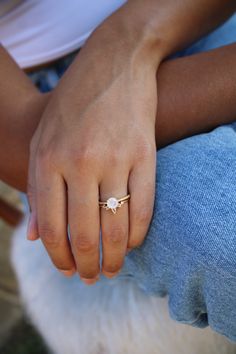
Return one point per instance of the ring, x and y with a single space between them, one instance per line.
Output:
113 203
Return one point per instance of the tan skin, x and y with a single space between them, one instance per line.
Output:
174 119
69 148
208 82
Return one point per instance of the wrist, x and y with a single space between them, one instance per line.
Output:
122 40
162 27
131 37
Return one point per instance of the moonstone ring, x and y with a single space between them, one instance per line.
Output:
113 203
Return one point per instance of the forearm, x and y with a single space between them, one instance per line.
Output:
15 87
15 137
21 106
196 94
170 24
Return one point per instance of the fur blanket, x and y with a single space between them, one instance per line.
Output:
110 317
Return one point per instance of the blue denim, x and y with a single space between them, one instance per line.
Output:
189 252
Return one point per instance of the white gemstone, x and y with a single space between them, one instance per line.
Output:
112 203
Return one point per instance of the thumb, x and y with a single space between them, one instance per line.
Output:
32 230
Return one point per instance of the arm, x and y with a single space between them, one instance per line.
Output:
170 24
180 21
174 23
108 92
196 94
21 106
208 82
106 103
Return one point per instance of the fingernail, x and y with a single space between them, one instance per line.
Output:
109 274
90 281
68 273
31 235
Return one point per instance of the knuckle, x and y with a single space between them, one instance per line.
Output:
50 238
49 153
113 268
135 243
88 273
145 149
85 154
142 215
115 236
44 157
62 265
83 244
115 158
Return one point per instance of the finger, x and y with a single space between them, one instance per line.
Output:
142 190
114 227
84 223
52 218
32 230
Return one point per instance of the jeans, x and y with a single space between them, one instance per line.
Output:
189 252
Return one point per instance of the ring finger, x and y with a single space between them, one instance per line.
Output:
114 226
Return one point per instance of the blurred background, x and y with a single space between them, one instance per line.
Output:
17 336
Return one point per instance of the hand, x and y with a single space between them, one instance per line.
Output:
96 139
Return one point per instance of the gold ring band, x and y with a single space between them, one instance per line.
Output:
113 203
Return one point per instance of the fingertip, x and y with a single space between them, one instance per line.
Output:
32 237
68 273
110 275
91 281
32 233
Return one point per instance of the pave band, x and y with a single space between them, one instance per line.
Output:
113 203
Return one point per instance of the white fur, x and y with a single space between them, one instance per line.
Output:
111 317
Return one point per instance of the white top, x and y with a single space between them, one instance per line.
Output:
38 31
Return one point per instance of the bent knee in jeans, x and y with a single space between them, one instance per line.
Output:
190 249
